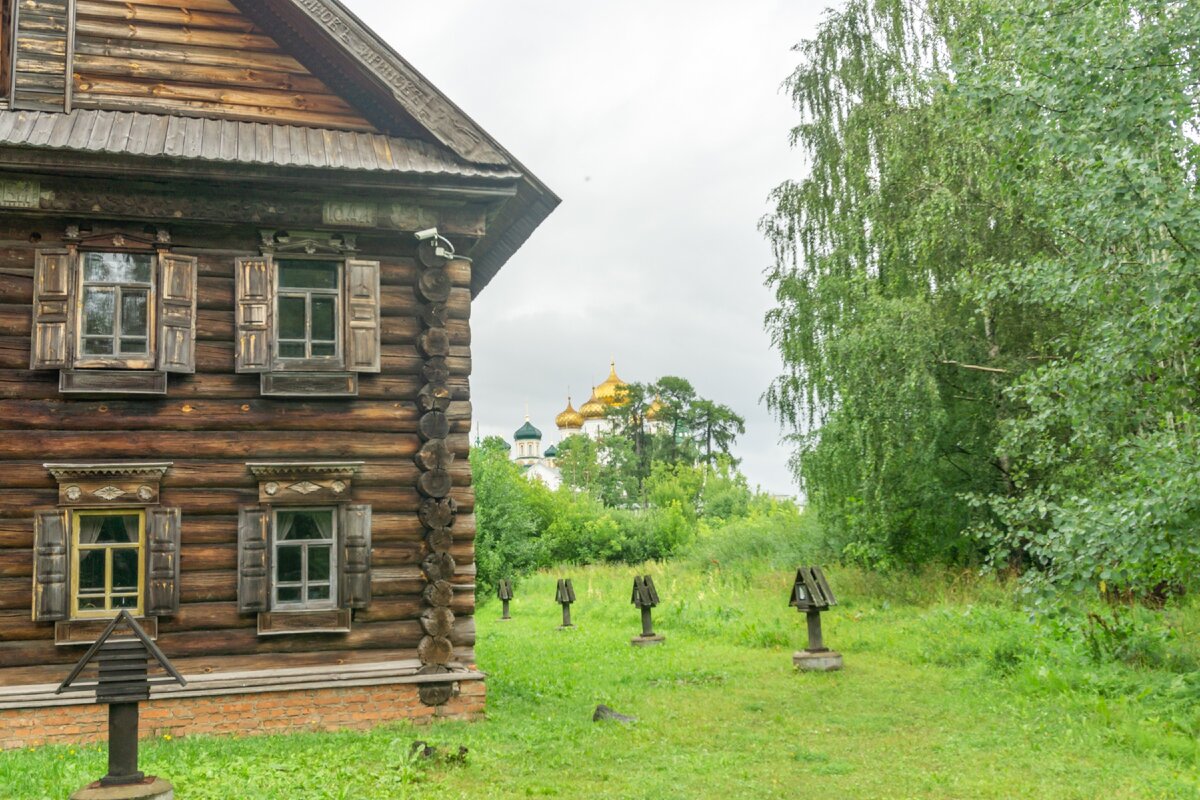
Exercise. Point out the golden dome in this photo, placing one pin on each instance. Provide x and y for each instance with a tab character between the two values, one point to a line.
569	419
613	389
655	409
593	408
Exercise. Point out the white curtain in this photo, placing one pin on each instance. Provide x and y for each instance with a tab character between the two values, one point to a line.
324	521
285	522
90	527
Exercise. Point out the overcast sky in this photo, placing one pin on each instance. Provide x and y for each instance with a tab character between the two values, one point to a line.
662	125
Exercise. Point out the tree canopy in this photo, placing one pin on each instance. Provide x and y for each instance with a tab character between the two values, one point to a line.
987	289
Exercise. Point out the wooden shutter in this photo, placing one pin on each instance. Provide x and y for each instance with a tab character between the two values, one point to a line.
254	560
162	562
177	314
50	531
255	307
356	557
53	309
362	316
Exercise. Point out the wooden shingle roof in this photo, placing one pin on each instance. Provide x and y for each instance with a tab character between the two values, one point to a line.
207	139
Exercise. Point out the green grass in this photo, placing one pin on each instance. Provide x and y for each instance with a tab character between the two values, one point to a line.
949	691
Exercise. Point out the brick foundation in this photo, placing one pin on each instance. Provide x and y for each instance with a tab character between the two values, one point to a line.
335	708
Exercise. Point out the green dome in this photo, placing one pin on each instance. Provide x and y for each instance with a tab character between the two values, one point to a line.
551	452
527	431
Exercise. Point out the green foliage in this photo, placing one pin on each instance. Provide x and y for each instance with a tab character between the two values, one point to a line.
993	333
510	513
950	691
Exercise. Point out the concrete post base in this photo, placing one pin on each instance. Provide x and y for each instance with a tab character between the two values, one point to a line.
566	627
149	789
817	661
647	641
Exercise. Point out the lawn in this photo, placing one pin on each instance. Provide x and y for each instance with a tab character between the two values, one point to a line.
949	691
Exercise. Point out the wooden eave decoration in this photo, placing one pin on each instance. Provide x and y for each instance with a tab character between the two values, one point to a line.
121	484
304	483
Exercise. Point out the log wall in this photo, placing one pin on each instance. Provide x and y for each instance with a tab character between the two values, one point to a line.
183	57
209	426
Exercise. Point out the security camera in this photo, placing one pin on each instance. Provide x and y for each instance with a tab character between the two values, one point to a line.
427	234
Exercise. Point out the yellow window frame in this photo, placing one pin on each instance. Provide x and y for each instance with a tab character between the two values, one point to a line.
77	551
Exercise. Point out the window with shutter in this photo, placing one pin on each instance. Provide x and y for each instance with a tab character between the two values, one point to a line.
109	548
308	325
305	551
114	314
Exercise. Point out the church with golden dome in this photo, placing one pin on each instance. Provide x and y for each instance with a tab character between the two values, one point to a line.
592	419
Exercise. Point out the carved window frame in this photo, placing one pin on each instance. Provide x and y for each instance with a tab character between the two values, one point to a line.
107	489
291	486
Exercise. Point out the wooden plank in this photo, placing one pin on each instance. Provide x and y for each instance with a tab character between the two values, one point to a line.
91	66
122	48
266	114
141	32
155	91
161	15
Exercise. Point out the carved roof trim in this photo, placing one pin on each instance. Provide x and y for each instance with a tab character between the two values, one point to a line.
326	469
146	470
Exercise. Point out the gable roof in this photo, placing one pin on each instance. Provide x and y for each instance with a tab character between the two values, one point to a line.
352	59
407	126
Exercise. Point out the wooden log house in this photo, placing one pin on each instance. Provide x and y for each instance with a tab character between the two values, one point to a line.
234	361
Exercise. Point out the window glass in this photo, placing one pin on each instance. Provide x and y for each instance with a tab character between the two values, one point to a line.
304	558
108	562
116	304
307	318
308	275
117	268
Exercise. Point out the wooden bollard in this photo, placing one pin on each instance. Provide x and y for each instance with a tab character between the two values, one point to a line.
645	597
811	596
565	596
505	594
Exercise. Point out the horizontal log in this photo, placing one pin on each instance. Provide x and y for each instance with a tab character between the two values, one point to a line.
283	414
228	501
246	641
210	663
234	474
216	293
172	445
17	384
219	357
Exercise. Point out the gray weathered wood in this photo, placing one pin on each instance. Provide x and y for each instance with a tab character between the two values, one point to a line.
356	557
50	543
254	560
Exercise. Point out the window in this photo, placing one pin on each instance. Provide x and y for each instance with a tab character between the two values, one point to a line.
309	326
305	559
108	546
117	290
307	312
114	314
304	553
108	563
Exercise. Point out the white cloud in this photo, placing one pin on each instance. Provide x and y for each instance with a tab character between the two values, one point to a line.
662	125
